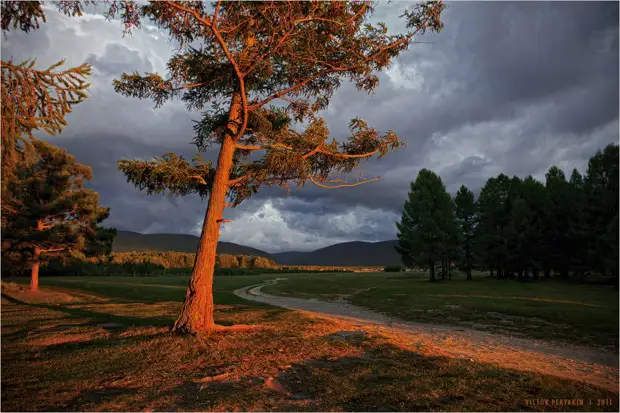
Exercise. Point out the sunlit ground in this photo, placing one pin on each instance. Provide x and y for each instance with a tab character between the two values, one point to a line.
102	344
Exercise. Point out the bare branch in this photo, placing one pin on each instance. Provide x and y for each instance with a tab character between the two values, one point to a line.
317	183
347	156
236	181
312	152
52	250
260	147
198	178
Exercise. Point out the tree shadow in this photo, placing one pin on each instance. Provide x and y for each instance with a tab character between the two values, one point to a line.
89	399
95	316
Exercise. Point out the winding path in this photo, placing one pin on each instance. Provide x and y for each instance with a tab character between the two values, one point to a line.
591	365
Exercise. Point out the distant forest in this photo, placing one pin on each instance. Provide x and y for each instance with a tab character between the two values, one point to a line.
565	227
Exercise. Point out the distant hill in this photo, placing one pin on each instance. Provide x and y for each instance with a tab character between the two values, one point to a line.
346	254
126	241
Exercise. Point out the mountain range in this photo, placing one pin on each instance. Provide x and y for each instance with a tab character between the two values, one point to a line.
346	254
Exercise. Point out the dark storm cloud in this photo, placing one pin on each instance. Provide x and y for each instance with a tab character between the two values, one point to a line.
132	209
547	69
119	59
510	87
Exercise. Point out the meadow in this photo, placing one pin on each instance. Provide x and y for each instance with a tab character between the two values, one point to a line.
546	309
102	343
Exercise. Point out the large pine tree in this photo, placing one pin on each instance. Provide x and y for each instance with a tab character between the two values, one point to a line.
56	214
254	68
426	227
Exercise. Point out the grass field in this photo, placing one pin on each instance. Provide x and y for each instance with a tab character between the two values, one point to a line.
546	309
102	343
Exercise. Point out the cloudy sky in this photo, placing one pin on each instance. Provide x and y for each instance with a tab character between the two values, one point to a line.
505	87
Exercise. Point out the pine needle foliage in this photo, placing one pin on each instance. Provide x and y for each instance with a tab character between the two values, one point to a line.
256	54
33	99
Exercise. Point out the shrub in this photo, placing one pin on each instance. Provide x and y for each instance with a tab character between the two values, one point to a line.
393	268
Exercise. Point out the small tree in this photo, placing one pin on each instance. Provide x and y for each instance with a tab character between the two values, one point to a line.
466	215
55	214
244	58
424	229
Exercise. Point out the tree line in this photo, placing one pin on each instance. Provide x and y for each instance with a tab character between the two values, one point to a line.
517	228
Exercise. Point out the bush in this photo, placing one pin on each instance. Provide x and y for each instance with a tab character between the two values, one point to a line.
393	268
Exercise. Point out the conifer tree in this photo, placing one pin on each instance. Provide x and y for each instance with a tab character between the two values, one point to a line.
426	226
56	214
557	218
601	192
466	216
254	68
577	225
533	194
490	239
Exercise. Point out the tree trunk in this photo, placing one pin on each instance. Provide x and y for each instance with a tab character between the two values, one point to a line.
526	273
431	267
469	278
535	273
492	273
34	275
449	271
197	311
547	273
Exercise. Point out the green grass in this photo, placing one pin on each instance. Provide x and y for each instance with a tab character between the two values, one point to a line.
57	356
547	309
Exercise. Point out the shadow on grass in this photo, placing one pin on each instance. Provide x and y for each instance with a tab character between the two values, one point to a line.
390	379
89	399
97	317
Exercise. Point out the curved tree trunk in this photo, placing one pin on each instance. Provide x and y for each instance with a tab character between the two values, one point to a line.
34	274
197	312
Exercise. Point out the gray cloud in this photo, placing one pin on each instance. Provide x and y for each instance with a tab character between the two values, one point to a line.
510	87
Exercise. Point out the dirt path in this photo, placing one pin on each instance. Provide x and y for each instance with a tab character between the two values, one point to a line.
591	365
